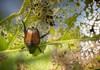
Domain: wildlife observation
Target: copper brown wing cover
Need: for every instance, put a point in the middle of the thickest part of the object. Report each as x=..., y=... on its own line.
x=35, y=37
x=28, y=36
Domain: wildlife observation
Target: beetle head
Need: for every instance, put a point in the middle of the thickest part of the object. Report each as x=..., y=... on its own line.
x=32, y=49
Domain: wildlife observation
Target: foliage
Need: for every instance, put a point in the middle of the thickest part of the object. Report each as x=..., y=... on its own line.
x=66, y=47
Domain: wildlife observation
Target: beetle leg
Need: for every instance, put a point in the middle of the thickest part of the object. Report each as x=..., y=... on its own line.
x=40, y=50
x=44, y=35
x=24, y=28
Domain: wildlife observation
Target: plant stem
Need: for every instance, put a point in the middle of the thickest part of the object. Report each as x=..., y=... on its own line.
x=53, y=43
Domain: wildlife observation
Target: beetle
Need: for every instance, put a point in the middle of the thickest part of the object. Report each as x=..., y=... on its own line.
x=32, y=38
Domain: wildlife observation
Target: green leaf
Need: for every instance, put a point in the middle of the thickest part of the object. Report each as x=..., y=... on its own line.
x=52, y=30
x=13, y=38
x=70, y=21
x=3, y=43
x=25, y=61
x=72, y=34
x=18, y=59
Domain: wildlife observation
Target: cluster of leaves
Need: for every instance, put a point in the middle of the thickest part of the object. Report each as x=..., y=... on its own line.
x=63, y=40
x=33, y=13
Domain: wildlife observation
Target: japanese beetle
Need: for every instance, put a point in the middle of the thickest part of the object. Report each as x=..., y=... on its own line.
x=32, y=38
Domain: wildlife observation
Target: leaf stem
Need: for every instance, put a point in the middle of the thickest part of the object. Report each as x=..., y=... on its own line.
x=14, y=50
x=55, y=42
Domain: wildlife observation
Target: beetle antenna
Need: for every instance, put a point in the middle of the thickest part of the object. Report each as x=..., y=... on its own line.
x=24, y=27
x=40, y=50
x=44, y=35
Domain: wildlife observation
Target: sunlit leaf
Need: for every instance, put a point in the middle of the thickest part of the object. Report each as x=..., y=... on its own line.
x=40, y=13
x=70, y=21
x=3, y=43
x=52, y=30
